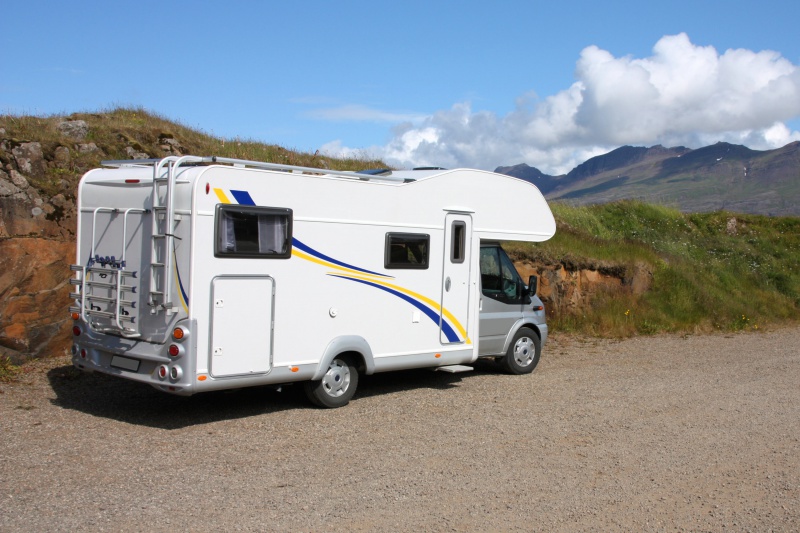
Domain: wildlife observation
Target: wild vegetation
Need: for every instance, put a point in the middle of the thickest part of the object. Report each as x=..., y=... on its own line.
x=8, y=370
x=711, y=271
x=116, y=130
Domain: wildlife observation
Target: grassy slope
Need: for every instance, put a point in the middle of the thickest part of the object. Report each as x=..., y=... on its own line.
x=704, y=277
x=112, y=131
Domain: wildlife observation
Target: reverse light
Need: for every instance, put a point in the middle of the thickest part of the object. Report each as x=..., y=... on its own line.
x=175, y=373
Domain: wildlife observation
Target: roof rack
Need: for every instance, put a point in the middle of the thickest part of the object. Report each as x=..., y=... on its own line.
x=383, y=176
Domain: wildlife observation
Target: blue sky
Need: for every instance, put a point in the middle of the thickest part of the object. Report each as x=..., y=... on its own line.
x=451, y=83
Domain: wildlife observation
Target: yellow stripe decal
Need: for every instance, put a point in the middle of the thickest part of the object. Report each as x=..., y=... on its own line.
x=222, y=196
x=453, y=320
x=302, y=255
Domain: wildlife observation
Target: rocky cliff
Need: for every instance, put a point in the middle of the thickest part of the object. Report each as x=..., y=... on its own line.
x=37, y=231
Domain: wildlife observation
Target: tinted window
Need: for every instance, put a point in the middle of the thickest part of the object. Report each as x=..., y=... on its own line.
x=499, y=278
x=406, y=250
x=253, y=232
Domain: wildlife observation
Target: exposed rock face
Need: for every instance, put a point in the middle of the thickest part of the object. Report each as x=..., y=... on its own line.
x=75, y=129
x=36, y=244
x=133, y=154
x=30, y=159
x=565, y=288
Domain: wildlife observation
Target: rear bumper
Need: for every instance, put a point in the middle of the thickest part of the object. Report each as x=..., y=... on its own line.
x=132, y=359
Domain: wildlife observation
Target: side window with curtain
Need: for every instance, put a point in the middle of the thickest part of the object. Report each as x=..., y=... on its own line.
x=245, y=231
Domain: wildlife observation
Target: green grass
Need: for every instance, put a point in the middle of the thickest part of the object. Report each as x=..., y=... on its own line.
x=116, y=129
x=8, y=370
x=704, y=277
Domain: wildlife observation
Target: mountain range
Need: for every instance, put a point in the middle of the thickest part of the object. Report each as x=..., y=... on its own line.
x=721, y=176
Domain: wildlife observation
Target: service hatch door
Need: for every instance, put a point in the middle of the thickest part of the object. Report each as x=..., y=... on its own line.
x=242, y=308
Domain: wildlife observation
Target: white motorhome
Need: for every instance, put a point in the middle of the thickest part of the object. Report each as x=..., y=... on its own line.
x=205, y=273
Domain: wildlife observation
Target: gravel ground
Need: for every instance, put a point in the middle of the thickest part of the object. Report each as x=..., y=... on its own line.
x=659, y=433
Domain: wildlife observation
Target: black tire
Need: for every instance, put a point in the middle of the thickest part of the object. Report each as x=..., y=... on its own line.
x=523, y=353
x=337, y=386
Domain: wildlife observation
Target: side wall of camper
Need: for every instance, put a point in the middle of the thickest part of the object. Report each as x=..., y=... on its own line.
x=399, y=294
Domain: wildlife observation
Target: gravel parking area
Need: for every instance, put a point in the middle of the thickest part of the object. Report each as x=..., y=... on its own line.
x=659, y=433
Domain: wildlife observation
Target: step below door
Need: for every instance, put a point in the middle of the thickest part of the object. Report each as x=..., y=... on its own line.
x=241, y=325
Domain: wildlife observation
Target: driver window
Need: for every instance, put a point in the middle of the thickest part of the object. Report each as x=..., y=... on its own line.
x=512, y=283
x=499, y=279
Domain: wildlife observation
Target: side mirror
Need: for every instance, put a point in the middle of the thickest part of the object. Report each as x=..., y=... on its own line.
x=533, y=284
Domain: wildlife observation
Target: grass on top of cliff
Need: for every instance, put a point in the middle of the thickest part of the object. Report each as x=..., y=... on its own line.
x=711, y=271
x=120, y=132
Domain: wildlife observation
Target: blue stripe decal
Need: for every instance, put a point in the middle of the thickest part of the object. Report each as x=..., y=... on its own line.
x=311, y=251
x=446, y=328
x=180, y=283
x=243, y=197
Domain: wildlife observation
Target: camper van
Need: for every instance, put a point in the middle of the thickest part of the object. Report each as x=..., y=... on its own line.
x=206, y=273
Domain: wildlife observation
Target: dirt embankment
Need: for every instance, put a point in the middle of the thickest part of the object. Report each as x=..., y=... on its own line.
x=650, y=434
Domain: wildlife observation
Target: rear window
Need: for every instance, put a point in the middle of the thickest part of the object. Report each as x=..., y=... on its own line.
x=244, y=231
x=406, y=250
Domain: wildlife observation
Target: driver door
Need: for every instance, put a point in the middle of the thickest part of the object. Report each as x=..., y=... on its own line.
x=502, y=295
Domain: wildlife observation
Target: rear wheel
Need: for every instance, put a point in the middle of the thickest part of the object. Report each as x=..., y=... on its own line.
x=337, y=386
x=523, y=353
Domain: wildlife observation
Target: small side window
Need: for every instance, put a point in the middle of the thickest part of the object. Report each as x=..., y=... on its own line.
x=406, y=250
x=244, y=231
x=459, y=241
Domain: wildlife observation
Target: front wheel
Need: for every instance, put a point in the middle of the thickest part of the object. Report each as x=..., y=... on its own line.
x=337, y=386
x=523, y=353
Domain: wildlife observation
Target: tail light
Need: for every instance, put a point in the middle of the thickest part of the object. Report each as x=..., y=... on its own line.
x=163, y=371
x=76, y=331
x=176, y=350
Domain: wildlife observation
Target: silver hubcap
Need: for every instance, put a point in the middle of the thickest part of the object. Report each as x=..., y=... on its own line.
x=336, y=380
x=524, y=351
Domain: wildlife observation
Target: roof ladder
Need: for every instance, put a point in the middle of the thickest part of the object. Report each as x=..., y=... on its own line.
x=165, y=173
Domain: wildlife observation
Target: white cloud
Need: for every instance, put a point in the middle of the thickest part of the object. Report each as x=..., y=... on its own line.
x=361, y=113
x=683, y=94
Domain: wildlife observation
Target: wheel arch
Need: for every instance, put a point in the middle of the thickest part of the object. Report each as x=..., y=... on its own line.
x=522, y=323
x=353, y=345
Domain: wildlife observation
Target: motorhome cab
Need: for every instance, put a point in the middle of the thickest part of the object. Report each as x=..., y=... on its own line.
x=204, y=273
